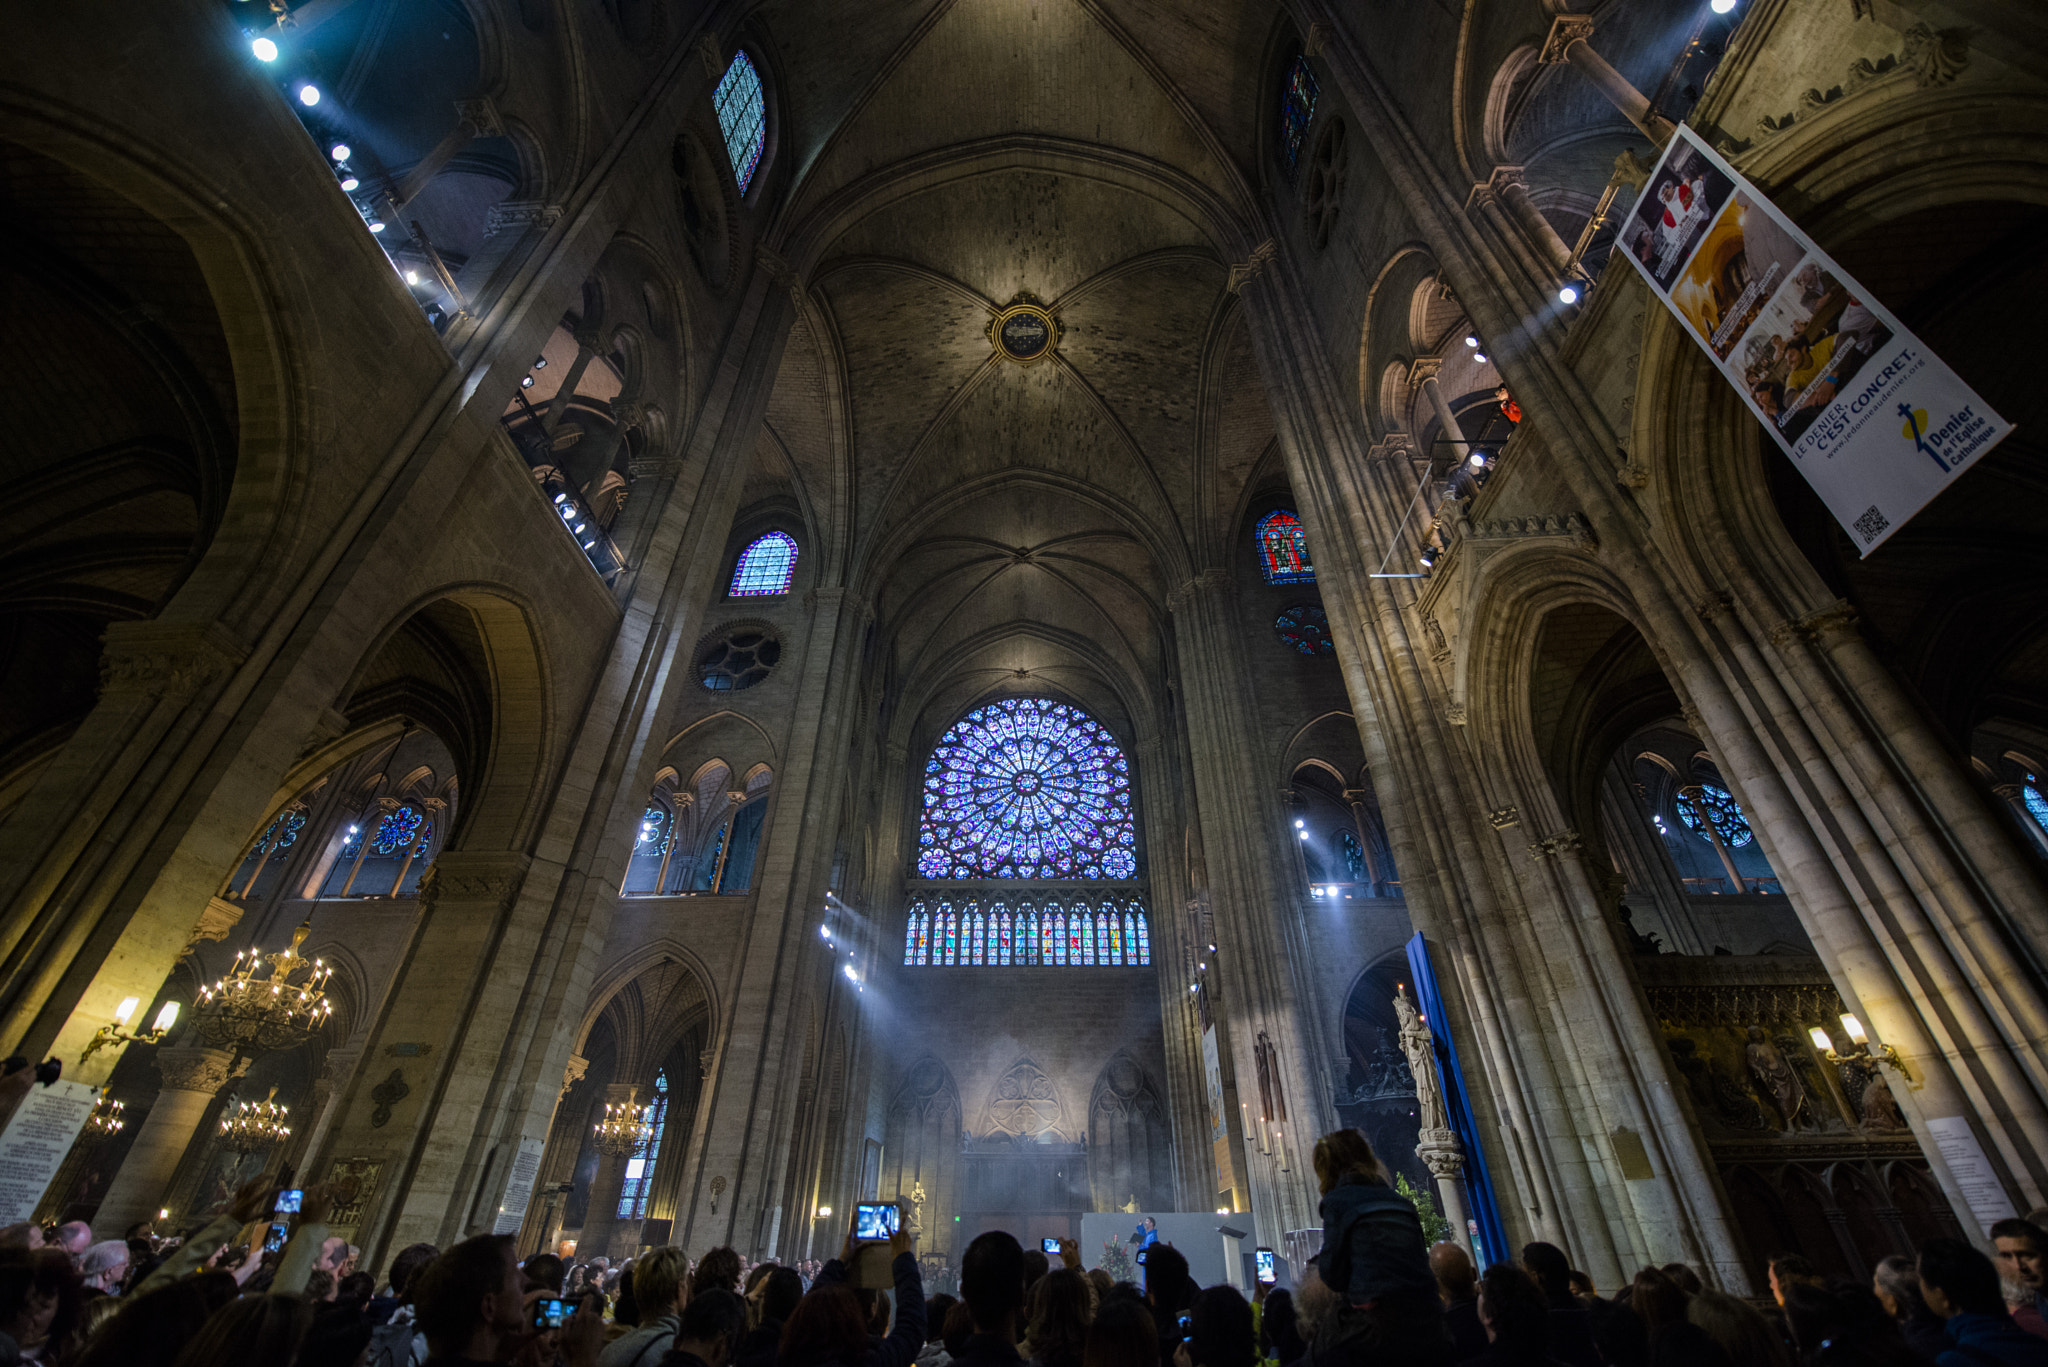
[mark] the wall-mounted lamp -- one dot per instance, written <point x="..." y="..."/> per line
<point x="1861" y="1052"/>
<point x="117" y="1032"/>
<point x="824" y="1212"/>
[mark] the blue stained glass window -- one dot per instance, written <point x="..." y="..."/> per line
<point x="1722" y="809"/>
<point x="766" y="567"/>
<point x="742" y="117"/>
<point x="397" y="829"/>
<point x="1297" y="111"/>
<point x="1354" y="856"/>
<point x="1283" y="549"/>
<point x="1306" y="628"/>
<point x="1027" y="788"/>
<point x="2036" y="804"/>
<point x="639" y="1183"/>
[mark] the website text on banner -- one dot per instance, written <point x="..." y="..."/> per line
<point x="1875" y="421"/>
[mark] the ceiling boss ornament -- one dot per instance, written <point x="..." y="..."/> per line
<point x="1024" y="330"/>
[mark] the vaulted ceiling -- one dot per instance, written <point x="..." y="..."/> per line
<point x="1020" y="526"/>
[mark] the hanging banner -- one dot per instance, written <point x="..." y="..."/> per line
<point x="1490" y="1238"/>
<point x="1876" y="422"/>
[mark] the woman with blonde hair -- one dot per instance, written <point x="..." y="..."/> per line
<point x="1373" y="1256"/>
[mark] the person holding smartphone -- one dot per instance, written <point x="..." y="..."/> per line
<point x="906" y="1335"/>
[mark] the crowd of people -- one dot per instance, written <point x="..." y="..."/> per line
<point x="1375" y="1294"/>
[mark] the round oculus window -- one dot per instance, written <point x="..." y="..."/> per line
<point x="1306" y="628"/>
<point x="740" y="658"/>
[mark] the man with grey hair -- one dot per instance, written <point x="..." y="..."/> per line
<point x="1897" y="1284"/>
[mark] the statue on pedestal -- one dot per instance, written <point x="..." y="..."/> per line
<point x="1420" y="1047"/>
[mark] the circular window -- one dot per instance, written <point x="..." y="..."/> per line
<point x="740" y="658"/>
<point x="1306" y="629"/>
<point x="1718" y="805"/>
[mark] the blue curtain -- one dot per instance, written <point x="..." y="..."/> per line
<point x="1493" y="1236"/>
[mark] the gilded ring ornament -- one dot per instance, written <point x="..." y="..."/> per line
<point x="1024" y="331"/>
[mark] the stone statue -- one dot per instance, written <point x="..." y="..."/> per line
<point x="1879" y="1107"/>
<point x="1776" y="1077"/>
<point x="1130" y="1207"/>
<point x="917" y="1200"/>
<point x="1420" y="1047"/>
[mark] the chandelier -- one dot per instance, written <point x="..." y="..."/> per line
<point x="250" y="1013"/>
<point x="256" y="1125"/>
<point x="103" y="1124"/>
<point x="623" y="1129"/>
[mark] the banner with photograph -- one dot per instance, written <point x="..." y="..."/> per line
<point x="1875" y="421"/>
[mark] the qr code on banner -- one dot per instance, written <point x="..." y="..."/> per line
<point x="1871" y="524"/>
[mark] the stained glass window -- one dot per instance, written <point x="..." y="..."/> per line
<point x="1722" y="809"/>
<point x="1283" y="549"/>
<point x="1354" y="856"/>
<point x="639" y="1183"/>
<point x="397" y="829"/>
<point x="1092" y="932"/>
<point x="1027" y="788"/>
<point x="2036" y="804"/>
<point x="765" y="568"/>
<point x="1306" y="628"/>
<point x="1297" y="111"/>
<point x="742" y="117"/>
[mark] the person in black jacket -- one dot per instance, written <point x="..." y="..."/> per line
<point x="710" y="1325"/>
<point x="1457" y="1282"/>
<point x="906" y="1339"/>
<point x="776" y="1295"/>
<point x="992" y="1285"/>
<point x="1517" y="1318"/>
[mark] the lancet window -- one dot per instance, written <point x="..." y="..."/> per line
<point x="765" y="568"/>
<point x="1283" y="549"/>
<point x="1089" y="930"/>
<point x="1297" y="111"/>
<point x="639" y="1183"/>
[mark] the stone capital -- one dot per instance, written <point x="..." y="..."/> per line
<point x="573" y="1072"/>
<point x="158" y="659"/>
<point x="1562" y="845"/>
<point x="1244" y="272"/>
<point x="1317" y="38"/>
<point x="216" y="919"/>
<point x="516" y="215"/>
<point x="1565" y="30"/>
<point x="1441" y="1153"/>
<point x="196" y="1068"/>
<point x="1396" y="446"/>
<point x="481" y="117"/>
<point x="1503" y="818"/>
<point x="1424" y="369"/>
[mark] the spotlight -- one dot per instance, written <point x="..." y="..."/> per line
<point x="1569" y="294"/>
<point x="412" y="277"/>
<point x="1299" y="824"/>
<point x="265" y="50"/>
<point x="309" y="94"/>
<point x="577" y="528"/>
<point x="1479" y="356"/>
<point x="1722" y="6"/>
<point x="825" y="931"/>
<point x="851" y="976"/>
<point x="526" y="381"/>
<point x="561" y="498"/>
<point x="349" y="181"/>
<point x="1304" y="835"/>
<point x="1471" y="341"/>
<point x="540" y="363"/>
<point x="376" y="225"/>
<point x="588" y="544"/>
<point x="340" y="151"/>
<point x="1478" y="461"/>
<point x="1428" y="556"/>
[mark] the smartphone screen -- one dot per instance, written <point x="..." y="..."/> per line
<point x="288" y="1201"/>
<point x="1263" y="1261"/>
<point x="875" y="1222"/>
<point x="274" y="1241"/>
<point x="550" y="1313"/>
<point x="1051" y="1247"/>
<point x="1185" y="1322"/>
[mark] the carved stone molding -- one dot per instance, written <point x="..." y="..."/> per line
<point x="517" y="215"/>
<point x="1441" y="1153"/>
<point x="1936" y="56"/>
<point x="1208" y="581"/>
<point x="1565" y="843"/>
<point x="1503" y="818"/>
<point x="1820" y="627"/>
<point x="1630" y="169"/>
<point x="1570" y="527"/>
<point x="1565" y="30"/>
<point x="459" y="876"/>
<point x="573" y="1072"/>
<point x="216" y="919"/>
<point x="1317" y="38"/>
<point x="1244" y="272"/>
<point x="1399" y="446"/>
<point x="1790" y="991"/>
<point x="157" y="660"/>
<point x="1456" y="714"/>
<point x="1424" y="369"/>
<point x="194" y="1068"/>
<point x="1713" y="605"/>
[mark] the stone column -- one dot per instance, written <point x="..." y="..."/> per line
<point x="1567" y="43"/>
<point x="601" y="1214"/>
<point x="1454" y="435"/>
<point x="193" y="1077"/>
<point x="1694" y="795"/>
<point x="1506" y="191"/>
<point x="1441" y="1154"/>
<point x="473" y="119"/>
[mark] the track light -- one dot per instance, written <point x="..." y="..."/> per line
<point x="1428" y="556"/>
<point x="340" y="151"/>
<point x="309" y="94"/>
<point x="412" y="277"/>
<point x="526" y="381"/>
<point x="561" y="498"/>
<point x="376" y="225"/>
<point x="1471" y="341"/>
<point x="1479" y="356"/>
<point x="265" y="50"/>
<point x="1568" y="294"/>
<point x="1478" y="460"/>
<point x="349" y="181"/>
<point x="540" y="363"/>
<point x="1722" y="6"/>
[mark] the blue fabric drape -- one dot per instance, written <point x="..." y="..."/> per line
<point x="1493" y="1235"/>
